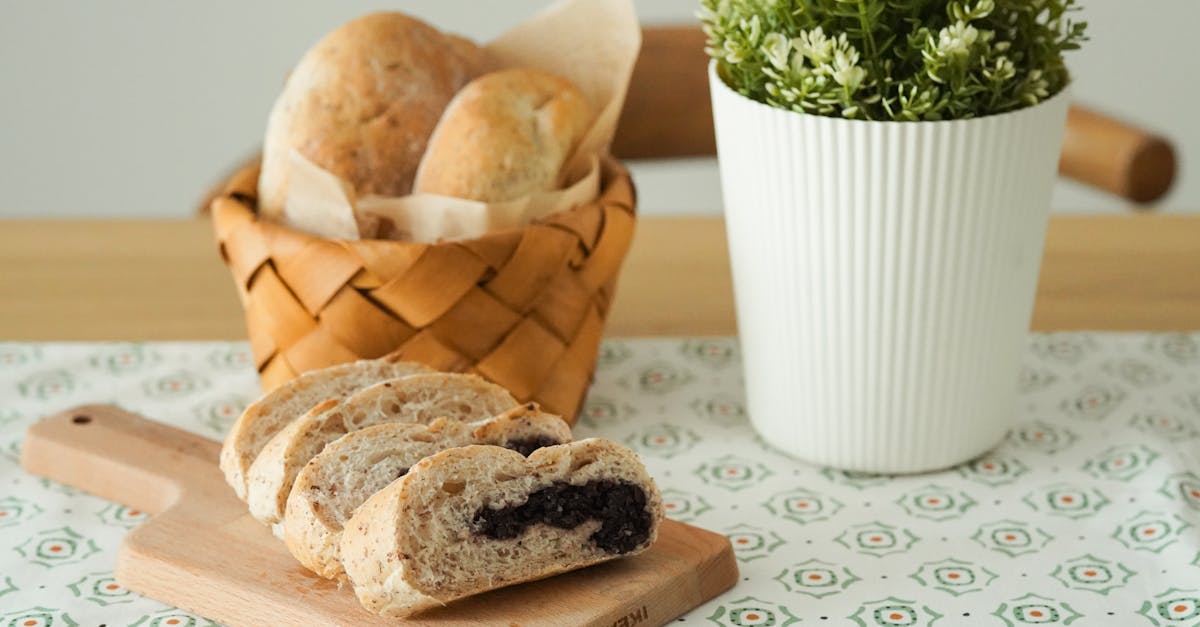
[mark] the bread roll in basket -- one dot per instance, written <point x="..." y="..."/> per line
<point x="522" y="307"/>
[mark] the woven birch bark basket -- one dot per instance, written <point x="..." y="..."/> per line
<point x="524" y="308"/>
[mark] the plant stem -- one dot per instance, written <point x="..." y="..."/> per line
<point x="871" y="51"/>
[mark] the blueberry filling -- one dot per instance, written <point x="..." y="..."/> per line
<point x="620" y="507"/>
<point x="525" y="446"/>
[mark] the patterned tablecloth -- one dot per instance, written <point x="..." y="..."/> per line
<point x="1088" y="514"/>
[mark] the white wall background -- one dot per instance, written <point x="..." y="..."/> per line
<point x="132" y="108"/>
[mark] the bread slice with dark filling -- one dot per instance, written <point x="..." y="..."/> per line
<point x="477" y="518"/>
<point x="276" y="409"/>
<point x="352" y="468"/>
<point x="420" y="398"/>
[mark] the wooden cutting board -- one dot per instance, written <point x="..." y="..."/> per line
<point x="202" y="551"/>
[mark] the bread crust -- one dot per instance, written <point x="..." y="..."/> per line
<point x="398" y="544"/>
<point x="355" y="466"/>
<point x="363" y="102"/>
<point x="420" y="398"/>
<point x="505" y="136"/>
<point x="264" y="418"/>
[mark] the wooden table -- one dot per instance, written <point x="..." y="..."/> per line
<point x="158" y="280"/>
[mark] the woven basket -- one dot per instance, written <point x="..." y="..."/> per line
<point x="524" y="307"/>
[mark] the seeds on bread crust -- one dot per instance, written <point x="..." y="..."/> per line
<point x="277" y="408"/>
<point x="420" y="398"/>
<point x="352" y="468"/>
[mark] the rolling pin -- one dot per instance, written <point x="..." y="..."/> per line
<point x="1116" y="157"/>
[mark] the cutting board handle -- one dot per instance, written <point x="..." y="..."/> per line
<point x="119" y="456"/>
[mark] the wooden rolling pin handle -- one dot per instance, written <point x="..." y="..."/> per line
<point x="1113" y="156"/>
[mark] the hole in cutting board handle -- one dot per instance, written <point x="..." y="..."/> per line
<point x="81" y="419"/>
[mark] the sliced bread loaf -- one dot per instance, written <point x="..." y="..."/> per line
<point x="352" y="468"/>
<point x="271" y="413"/>
<point x="476" y="518"/>
<point x="419" y="398"/>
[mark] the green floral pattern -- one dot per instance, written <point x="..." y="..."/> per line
<point x="1084" y="515"/>
<point x="57" y="545"/>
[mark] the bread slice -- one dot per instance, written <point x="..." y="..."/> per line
<point x="419" y="398"/>
<point x="476" y="518"/>
<point x="352" y="468"/>
<point x="271" y="413"/>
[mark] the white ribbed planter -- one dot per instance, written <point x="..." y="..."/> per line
<point x="884" y="274"/>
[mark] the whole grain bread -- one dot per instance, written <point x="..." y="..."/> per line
<point x="415" y="545"/>
<point x="352" y="468"/>
<point x="504" y="136"/>
<point x="362" y="104"/>
<point x="279" y="407"/>
<point x="419" y="398"/>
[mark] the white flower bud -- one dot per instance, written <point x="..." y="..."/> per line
<point x="778" y="50"/>
<point x="814" y="45"/>
<point x="850" y="77"/>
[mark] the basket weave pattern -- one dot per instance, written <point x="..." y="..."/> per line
<point x="524" y="307"/>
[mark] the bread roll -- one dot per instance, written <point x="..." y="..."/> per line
<point x="476" y="518"/>
<point x="420" y="398"/>
<point x="504" y="136"/>
<point x="352" y="468"/>
<point x="279" y="407"/>
<point x="362" y="104"/>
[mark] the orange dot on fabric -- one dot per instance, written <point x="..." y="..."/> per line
<point x="752" y="617"/>
<point x="814" y="576"/>
<point x="934" y="501"/>
<point x="1010" y="537"/>
<point x="895" y="616"/>
<point x="1195" y="494"/>
<point x="173" y="621"/>
<point x="30" y="622"/>
<point x="671" y="506"/>
<point x="1089" y="573"/>
<point x="988" y="466"/>
<point x="1068" y="499"/>
<point x="660" y="440"/>
<point x="111" y="586"/>
<point x="56" y="548"/>
<point x="1148" y="532"/>
<point x="952" y="576"/>
<point x="1180" y="608"/>
<point x="743" y="541"/>
<point x="802" y="504"/>
<point x="135" y="512"/>
<point x="876" y="539"/>
<point x="731" y="471"/>
<point x="1036" y="613"/>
